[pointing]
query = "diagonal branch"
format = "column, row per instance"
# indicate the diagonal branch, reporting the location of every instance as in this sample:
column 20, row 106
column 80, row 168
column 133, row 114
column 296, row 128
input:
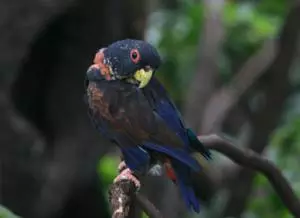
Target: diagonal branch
column 250, row 159
column 122, row 193
column 147, row 206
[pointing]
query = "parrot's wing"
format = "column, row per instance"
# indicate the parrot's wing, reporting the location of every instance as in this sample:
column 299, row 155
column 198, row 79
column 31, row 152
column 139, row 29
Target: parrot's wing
column 163, row 105
column 100, row 124
column 167, row 110
column 129, row 114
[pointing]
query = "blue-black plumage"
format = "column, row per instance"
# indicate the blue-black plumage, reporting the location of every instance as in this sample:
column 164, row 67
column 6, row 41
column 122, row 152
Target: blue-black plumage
column 130, row 107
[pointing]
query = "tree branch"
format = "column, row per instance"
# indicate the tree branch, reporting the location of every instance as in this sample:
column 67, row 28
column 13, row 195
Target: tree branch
column 147, row 206
column 122, row 195
column 250, row 159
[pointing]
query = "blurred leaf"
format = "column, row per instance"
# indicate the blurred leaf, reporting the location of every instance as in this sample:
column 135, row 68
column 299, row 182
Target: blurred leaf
column 144, row 215
column 5, row 213
column 107, row 168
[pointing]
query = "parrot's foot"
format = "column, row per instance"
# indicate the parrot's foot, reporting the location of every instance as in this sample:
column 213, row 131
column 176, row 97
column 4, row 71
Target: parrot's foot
column 122, row 166
column 127, row 174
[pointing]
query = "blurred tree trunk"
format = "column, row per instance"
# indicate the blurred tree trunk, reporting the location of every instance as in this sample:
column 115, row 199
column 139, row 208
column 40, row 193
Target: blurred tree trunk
column 214, row 105
column 49, row 149
column 275, row 88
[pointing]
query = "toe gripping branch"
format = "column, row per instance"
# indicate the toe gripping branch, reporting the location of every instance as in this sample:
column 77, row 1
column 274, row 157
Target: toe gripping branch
column 122, row 192
column 126, row 174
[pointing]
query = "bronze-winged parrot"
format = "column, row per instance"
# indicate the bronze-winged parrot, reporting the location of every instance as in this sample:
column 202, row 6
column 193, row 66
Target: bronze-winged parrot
column 131, row 108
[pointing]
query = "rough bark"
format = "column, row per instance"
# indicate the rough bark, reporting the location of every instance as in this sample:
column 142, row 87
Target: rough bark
column 123, row 197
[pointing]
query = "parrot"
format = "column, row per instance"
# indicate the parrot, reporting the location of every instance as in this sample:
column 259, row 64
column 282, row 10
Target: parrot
column 129, row 106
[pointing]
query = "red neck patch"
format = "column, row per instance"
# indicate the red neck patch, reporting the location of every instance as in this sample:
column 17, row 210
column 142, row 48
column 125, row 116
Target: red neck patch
column 104, row 69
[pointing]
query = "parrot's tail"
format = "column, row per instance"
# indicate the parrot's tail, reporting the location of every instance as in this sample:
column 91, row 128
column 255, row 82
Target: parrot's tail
column 196, row 145
column 183, row 172
column 183, row 180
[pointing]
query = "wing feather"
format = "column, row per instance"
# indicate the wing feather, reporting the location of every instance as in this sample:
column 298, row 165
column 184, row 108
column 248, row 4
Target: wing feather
column 128, row 111
column 130, row 115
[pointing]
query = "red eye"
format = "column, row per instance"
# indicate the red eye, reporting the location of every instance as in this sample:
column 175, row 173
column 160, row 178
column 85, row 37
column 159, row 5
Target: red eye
column 135, row 56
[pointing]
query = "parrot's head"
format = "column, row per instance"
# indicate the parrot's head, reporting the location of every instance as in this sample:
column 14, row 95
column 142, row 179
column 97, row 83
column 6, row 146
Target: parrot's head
column 133, row 61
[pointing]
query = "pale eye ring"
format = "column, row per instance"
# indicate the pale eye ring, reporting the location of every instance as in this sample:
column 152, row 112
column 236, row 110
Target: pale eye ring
column 135, row 56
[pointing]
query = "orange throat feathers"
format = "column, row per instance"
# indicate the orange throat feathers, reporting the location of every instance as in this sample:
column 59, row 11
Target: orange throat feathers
column 98, row 63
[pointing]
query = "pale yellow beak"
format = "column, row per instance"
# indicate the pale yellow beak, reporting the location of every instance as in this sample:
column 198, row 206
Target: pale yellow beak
column 143, row 77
